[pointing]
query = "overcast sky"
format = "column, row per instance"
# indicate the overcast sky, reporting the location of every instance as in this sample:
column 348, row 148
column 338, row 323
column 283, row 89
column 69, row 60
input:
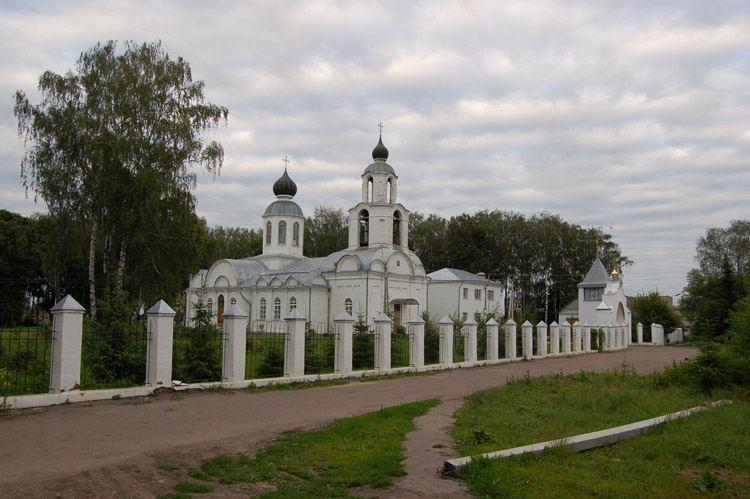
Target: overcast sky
column 629, row 115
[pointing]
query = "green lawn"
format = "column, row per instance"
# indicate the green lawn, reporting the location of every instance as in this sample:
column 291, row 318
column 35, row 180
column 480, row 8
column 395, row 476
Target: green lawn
column 669, row 461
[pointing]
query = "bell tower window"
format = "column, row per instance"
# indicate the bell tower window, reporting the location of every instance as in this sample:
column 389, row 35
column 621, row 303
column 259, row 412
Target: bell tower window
column 364, row 228
column 295, row 234
column 282, row 232
column 268, row 232
column 396, row 228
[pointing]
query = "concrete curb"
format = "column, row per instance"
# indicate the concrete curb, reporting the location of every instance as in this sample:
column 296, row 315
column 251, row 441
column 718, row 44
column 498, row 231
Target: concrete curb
column 585, row 441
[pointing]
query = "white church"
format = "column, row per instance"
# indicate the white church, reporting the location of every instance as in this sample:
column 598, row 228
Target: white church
column 376, row 273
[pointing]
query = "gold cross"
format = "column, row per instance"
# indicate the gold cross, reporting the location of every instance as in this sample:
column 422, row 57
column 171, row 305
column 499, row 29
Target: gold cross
column 286, row 162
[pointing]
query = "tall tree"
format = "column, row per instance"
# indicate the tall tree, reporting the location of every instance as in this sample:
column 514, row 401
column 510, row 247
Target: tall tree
column 113, row 140
column 720, row 243
column 427, row 239
column 325, row 232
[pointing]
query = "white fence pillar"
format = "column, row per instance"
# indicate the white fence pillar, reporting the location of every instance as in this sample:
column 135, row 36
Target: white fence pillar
column 446, row 340
column 383, row 325
column 541, row 339
column 657, row 334
column 680, row 336
column 470, row 340
column 67, row 337
column 527, row 340
column 492, row 339
column 639, row 333
column 416, row 342
column 577, row 337
column 554, row 338
column 235, row 344
column 344, row 325
column 160, row 323
column 510, row 339
column 565, row 326
column 294, row 360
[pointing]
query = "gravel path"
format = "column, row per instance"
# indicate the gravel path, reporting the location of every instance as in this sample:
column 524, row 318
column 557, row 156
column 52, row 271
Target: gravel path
column 115, row 448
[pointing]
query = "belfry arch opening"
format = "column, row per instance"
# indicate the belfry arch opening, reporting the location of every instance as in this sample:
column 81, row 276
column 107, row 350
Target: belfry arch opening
column 364, row 228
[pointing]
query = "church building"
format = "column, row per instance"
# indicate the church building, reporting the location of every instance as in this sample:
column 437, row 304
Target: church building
column 376, row 273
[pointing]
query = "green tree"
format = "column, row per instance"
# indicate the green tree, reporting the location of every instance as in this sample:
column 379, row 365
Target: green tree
column 427, row 239
column 719, row 243
column 22, row 254
column 325, row 232
column 112, row 141
column 651, row 308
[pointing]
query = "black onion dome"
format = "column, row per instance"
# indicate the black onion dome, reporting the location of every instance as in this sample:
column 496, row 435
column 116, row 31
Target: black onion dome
column 285, row 186
column 380, row 152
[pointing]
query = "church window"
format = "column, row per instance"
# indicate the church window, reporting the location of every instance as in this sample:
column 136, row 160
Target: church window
column 388, row 187
column 277, row 308
column 592, row 294
column 466, row 293
column 292, row 303
column 477, row 294
column 282, row 232
column 262, row 309
column 364, row 228
column 210, row 305
column 268, row 232
column 348, row 306
column 220, row 310
column 370, row 198
column 295, row 234
column 396, row 228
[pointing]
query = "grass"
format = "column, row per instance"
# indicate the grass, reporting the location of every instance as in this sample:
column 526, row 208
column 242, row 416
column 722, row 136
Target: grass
column 296, row 385
column 363, row 450
column 682, row 458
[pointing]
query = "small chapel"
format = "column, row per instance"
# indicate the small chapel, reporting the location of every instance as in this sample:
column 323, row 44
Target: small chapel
column 376, row 273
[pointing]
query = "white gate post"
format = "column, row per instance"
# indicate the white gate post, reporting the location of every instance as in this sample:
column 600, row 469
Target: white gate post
column 446, row 340
column 657, row 334
column 294, row 360
column 235, row 344
column 383, row 325
column 554, row 338
column 565, row 337
column 577, row 337
column 586, row 337
column 492, row 339
column 344, row 325
column 470, row 340
column 541, row 339
column 160, row 320
column 639, row 332
column 67, row 338
column 510, row 339
column 527, row 340
column 416, row 342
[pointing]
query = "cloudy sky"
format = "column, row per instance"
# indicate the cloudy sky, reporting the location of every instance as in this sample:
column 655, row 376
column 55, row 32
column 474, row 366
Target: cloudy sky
column 633, row 116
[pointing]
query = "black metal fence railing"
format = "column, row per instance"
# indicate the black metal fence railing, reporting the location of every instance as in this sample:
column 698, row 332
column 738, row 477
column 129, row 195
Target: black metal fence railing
column 458, row 346
column 363, row 351
column 431, row 347
column 320, row 347
column 113, row 358
column 197, row 354
column 482, row 345
column 265, row 350
column 25, row 359
column 400, row 348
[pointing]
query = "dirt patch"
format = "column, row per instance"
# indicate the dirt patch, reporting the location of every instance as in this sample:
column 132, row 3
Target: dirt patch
column 727, row 476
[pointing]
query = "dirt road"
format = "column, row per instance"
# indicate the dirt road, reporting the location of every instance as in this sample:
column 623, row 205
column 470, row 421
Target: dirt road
column 115, row 447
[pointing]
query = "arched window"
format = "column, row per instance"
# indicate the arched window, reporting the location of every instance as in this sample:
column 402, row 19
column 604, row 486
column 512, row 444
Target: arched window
column 277, row 308
column 282, row 232
column 396, row 227
column 370, row 198
column 268, row 232
column 295, row 234
column 292, row 303
column 220, row 309
column 388, row 191
column 348, row 306
column 262, row 309
column 364, row 228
